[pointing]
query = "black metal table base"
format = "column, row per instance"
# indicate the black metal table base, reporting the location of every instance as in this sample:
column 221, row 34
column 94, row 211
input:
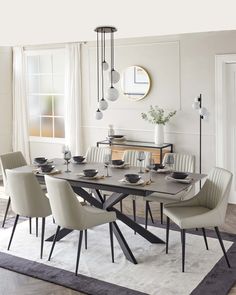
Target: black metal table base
column 108, row 204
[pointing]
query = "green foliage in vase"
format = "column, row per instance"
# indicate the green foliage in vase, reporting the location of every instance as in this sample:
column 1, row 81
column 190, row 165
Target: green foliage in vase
column 157, row 115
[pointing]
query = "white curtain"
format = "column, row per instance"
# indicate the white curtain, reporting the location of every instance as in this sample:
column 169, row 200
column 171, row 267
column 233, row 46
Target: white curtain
column 20, row 140
column 73, row 130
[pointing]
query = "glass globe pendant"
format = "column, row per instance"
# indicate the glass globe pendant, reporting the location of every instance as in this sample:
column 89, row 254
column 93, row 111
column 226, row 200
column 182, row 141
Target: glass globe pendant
column 103, row 104
column 98, row 115
column 112, row 94
column 115, row 76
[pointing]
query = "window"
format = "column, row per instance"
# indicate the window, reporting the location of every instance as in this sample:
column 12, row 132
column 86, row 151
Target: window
column 45, row 72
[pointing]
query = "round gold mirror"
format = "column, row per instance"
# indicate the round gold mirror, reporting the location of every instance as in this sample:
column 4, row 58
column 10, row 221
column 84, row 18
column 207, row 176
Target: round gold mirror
column 135, row 83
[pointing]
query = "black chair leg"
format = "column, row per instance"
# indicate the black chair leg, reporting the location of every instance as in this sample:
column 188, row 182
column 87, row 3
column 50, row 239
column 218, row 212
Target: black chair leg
column 222, row 245
column 150, row 213
column 111, row 240
column 37, row 226
column 30, row 225
column 134, row 212
column 6, row 212
column 183, row 248
column 205, row 238
column 121, row 206
column 78, row 253
column 86, row 239
column 42, row 237
column 54, row 242
column 13, row 231
column 167, row 233
column 161, row 212
column 146, row 214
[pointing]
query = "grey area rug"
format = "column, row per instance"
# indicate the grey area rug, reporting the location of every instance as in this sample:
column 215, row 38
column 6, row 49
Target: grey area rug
column 218, row 281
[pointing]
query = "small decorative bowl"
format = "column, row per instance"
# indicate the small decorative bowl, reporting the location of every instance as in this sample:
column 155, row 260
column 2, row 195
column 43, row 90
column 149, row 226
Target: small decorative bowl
column 47, row 168
column 118, row 162
column 40, row 160
column 90, row 172
column 78, row 159
column 132, row 178
column 179, row 175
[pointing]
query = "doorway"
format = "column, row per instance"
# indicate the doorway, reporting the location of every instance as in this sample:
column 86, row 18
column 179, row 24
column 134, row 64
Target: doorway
column 225, row 88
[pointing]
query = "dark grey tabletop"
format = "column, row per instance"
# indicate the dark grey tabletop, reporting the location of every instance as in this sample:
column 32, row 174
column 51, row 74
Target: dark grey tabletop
column 159, row 184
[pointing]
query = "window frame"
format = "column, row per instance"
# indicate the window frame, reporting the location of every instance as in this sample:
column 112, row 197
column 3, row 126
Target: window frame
column 37, row 52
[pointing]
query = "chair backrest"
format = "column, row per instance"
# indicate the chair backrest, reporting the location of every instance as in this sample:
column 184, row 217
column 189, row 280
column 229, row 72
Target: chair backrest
column 66, row 209
column 130, row 156
column 27, row 197
column 96, row 154
column 215, row 191
column 182, row 162
column 11, row 161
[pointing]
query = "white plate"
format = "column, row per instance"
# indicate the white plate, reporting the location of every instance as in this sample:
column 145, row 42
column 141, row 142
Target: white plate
column 124, row 181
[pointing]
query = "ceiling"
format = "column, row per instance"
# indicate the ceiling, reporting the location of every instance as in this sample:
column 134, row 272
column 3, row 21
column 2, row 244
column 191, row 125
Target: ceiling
column 28, row 22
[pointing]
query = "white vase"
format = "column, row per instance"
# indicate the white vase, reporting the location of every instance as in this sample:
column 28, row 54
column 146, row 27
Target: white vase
column 159, row 134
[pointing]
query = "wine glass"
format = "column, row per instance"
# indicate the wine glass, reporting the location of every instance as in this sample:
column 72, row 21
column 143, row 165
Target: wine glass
column 141, row 157
column 107, row 162
column 67, row 157
column 170, row 161
column 151, row 166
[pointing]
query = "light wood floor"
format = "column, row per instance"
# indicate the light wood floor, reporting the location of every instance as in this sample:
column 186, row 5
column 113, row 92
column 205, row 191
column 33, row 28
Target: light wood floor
column 16, row 284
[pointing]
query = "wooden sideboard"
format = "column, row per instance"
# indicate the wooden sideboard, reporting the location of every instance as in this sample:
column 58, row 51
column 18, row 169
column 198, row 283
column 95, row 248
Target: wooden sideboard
column 118, row 148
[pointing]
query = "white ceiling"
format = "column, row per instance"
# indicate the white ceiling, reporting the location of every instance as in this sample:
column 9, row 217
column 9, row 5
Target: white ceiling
column 28, row 22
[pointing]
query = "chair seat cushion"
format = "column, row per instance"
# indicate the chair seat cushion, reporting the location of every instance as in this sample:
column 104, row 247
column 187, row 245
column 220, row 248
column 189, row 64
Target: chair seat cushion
column 165, row 198
column 97, row 216
column 188, row 217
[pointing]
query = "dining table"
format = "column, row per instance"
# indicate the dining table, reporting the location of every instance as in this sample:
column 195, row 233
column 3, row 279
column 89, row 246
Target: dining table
column 93, row 191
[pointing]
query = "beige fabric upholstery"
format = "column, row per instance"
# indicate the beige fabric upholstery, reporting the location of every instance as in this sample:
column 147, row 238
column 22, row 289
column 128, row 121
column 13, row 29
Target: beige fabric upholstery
column 96, row 154
column 67, row 210
column 130, row 156
column 182, row 163
column 208, row 207
column 27, row 197
column 11, row 161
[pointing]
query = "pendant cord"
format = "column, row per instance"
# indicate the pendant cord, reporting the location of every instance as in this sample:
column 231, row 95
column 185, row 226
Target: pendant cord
column 102, row 57
column 98, row 90
column 111, row 59
column 104, row 47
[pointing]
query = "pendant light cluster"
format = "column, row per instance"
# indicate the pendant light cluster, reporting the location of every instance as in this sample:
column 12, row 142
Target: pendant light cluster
column 102, row 66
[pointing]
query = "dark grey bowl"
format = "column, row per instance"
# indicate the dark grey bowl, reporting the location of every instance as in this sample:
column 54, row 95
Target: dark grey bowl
column 40, row 160
column 158, row 166
column 179, row 175
column 117, row 162
column 90, row 172
column 116, row 136
column 47, row 168
column 78, row 159
column 132, row 178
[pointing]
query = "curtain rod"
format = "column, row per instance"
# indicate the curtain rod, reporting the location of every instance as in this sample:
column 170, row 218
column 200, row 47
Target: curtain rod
column 50, row 46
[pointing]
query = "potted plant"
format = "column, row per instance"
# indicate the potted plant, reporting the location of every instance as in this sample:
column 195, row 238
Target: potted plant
column 157, row 116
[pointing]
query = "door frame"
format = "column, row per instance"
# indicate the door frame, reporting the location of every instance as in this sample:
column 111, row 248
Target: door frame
column 221, row 107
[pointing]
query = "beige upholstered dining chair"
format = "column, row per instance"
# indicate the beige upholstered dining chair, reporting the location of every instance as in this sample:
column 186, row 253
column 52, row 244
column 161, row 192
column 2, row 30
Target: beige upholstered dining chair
column 131, row 157
column 206, row 209
column 96, row 154
column 10, row 161
column 27, row 199
column 182, row 163
column 69, row 213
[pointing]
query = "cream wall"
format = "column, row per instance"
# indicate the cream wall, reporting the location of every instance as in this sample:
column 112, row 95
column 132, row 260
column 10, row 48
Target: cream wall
column 5, row 99
column 180, row 68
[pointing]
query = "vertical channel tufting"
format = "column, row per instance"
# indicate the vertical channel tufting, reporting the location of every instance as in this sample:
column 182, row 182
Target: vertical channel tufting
column 130, row 156
column 182, row 162
column 96, row 154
